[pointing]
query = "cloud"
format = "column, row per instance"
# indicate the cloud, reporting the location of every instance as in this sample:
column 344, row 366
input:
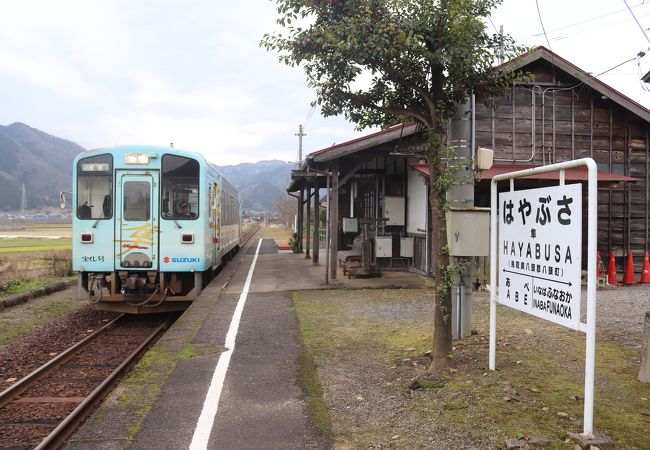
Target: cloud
column 192, row 72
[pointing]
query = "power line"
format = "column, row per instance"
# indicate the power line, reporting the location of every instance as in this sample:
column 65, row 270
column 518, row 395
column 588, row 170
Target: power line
column 591, row 19
column 495, row 28
column 310, row 114
column 637, row 21
column 542, row 23
column 639, row 56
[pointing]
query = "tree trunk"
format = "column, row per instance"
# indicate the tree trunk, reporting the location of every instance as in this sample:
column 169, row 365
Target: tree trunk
column 441, row 348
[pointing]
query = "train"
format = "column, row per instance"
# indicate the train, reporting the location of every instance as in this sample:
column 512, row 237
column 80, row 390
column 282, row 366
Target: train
column 150, row 227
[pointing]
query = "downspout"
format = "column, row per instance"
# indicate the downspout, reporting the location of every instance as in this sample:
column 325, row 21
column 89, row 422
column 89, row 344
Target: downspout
column 472, row 143
column 327, row 230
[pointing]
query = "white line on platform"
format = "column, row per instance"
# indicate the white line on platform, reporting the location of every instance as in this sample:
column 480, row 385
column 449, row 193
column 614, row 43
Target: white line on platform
column 211, row 403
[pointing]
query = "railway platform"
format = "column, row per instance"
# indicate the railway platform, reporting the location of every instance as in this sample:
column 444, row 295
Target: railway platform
column 180, row 395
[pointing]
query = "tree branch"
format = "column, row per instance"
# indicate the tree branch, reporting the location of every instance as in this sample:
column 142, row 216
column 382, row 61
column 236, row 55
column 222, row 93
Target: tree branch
column 426, row 97
column 363, row 101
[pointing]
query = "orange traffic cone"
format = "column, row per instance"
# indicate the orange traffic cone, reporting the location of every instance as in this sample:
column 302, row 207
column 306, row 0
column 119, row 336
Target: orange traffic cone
column 629, row 277
column 645, row 271
column 611, row 270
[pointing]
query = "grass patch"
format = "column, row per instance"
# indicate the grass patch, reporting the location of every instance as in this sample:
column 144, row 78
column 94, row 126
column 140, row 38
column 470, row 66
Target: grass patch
column 367, row 348
column 309, row 382
column 22, row 285
column 144, row 384
column 36, row 313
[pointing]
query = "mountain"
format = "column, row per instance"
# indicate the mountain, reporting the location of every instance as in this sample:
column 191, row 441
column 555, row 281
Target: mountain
column 44, row 164
column 260, row 183
column 40, row 161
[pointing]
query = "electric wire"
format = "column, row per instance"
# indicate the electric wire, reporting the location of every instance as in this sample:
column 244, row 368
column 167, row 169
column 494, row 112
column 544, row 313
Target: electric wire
column 495, row 28
column 637, row 21
column 640, row 76
column 638, row 56
column 585, row 21
column 309, row 116
column 539, row 14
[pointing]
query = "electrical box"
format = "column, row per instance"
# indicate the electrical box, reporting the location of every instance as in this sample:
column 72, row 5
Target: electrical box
column 484, row 158
column 394, row 210
column 350, row 225
column 406, row 247
column 468, row 232
column 383, row 246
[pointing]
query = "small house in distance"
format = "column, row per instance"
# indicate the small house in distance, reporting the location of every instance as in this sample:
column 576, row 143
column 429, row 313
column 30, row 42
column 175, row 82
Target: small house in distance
column 558, row 114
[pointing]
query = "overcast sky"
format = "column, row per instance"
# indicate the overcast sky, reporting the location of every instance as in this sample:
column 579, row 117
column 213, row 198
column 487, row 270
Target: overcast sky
column 191, row 72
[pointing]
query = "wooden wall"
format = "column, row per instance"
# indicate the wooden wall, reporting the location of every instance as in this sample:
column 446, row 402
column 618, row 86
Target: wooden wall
column 556, row 118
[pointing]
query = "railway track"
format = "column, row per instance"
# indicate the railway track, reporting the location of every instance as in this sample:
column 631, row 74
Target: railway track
column 43, row 408
column 248, row 234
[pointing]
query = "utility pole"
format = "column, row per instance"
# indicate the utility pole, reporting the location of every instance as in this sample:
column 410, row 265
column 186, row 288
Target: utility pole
column 300, row 134
column 23, row 201
column 500, row 53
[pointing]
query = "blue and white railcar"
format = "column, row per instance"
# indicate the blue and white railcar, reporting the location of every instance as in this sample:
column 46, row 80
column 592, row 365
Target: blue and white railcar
column 150, row 226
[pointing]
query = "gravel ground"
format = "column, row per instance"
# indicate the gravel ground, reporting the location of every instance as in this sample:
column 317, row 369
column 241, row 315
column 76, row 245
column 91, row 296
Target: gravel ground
column 20, row 357
column 620, row 312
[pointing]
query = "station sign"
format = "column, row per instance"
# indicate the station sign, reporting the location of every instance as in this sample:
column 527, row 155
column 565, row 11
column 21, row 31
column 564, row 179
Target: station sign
column 540, row 250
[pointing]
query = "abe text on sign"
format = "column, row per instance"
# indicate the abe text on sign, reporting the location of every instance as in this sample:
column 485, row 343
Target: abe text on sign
column 539, row 252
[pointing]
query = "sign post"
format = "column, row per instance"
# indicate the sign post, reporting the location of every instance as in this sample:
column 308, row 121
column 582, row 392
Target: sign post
column 538, row 258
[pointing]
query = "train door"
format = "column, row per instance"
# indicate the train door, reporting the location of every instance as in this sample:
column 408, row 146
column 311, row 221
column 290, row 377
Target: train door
column 136, row 233
column 215, row 218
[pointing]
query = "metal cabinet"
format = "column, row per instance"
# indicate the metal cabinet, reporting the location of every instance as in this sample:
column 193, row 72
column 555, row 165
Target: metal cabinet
column 394, row 210
column 384, row 246
column 406, row 247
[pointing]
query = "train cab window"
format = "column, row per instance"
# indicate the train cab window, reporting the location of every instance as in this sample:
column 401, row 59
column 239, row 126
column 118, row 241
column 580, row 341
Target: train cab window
column 95, row 187
column 180, row 188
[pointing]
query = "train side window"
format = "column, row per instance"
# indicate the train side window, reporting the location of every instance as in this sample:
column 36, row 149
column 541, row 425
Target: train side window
column 180, row 187
column 94, row 187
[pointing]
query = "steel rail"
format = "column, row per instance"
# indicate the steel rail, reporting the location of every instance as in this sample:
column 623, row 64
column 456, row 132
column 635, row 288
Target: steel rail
column 21, row 385
column 248, row 238
column 66, row 427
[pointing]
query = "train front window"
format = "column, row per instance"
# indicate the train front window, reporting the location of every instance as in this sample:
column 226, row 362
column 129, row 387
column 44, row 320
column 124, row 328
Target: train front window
column 95, row 187
column 180, row 188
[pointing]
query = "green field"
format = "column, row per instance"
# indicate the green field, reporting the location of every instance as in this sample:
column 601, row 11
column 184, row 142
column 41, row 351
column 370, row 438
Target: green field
column 30, row 237
column 15, row 245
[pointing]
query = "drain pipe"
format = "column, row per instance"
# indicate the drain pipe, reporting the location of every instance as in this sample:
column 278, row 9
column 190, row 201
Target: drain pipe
column 327, row 230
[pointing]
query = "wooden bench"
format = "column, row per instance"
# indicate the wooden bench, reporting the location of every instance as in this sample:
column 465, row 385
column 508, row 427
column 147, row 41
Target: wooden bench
column 347, row 257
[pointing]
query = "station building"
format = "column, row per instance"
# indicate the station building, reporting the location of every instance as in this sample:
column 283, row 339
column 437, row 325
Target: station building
column 559, row 114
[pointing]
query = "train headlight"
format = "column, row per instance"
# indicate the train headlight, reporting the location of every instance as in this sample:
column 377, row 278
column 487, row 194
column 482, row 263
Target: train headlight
column 136, row 158
column 87, row 238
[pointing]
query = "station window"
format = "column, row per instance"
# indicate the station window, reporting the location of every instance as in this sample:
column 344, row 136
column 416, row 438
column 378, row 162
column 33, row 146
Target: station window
column 95, row 187
column 180, row 188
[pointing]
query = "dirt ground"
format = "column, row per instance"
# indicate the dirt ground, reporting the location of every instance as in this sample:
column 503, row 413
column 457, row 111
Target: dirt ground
column 368, row 346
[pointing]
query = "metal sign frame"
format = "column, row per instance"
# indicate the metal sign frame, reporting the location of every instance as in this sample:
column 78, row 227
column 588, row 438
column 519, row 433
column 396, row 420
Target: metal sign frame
column 590, row 327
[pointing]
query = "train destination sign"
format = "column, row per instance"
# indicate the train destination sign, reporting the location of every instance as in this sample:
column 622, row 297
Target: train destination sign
column 539, row 250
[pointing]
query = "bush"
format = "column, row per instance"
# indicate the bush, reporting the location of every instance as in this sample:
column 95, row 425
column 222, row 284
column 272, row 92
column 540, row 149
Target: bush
column 7, row 285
